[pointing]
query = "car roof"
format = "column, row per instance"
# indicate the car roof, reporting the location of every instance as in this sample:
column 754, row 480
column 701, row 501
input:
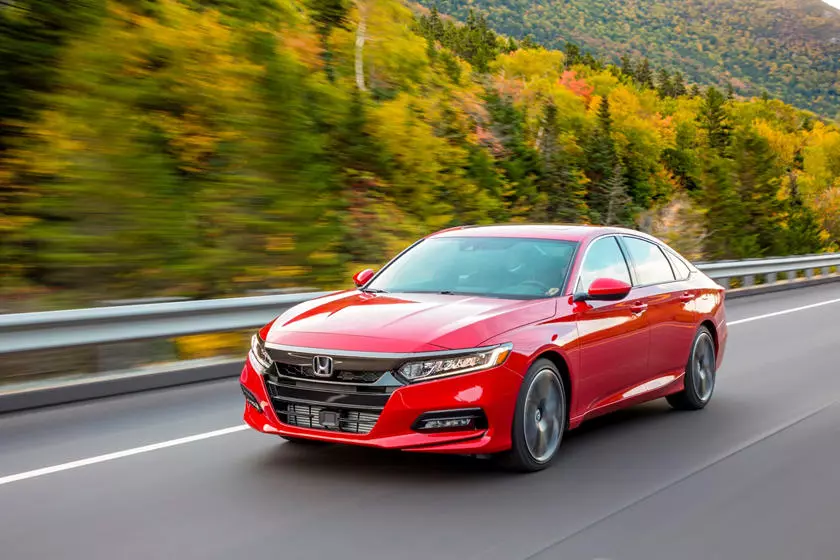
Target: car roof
column 564, row 232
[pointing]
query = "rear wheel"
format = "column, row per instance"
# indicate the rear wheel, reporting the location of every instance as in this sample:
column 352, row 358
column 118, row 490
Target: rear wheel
column 539, row 420
column 700, row 374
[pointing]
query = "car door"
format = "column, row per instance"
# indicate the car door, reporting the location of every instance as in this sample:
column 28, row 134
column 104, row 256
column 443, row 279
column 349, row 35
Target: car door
column 688, row 314
column 614, row 336
column 669, row 306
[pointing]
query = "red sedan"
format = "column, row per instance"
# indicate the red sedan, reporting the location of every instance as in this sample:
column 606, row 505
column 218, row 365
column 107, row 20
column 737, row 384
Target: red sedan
column 491, row 340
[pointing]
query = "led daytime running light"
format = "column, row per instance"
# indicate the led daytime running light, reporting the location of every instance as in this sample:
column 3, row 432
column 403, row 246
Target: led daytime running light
column 259, row 355
column 456, row 365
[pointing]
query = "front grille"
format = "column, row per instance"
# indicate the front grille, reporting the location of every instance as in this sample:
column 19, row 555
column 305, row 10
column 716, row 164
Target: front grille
column 351, row 408
column 346, row 376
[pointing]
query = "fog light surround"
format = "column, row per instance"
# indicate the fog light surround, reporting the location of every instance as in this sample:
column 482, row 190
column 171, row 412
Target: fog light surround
column 462, row 419
column 251, row 398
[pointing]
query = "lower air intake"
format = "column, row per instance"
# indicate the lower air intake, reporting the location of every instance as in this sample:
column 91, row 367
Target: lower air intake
column 321, row 418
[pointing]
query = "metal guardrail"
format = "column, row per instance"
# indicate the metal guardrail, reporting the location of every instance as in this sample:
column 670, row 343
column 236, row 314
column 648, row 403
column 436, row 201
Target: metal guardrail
column 23, row 332
column 749, row 271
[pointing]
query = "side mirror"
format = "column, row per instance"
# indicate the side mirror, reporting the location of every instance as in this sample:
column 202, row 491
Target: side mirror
column 605, row 289
column 363, row 277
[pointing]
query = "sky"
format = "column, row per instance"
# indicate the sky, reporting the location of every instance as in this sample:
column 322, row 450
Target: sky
column 835, row 3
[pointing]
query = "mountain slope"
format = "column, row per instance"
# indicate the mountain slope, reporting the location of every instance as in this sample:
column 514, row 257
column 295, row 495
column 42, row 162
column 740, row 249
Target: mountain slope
column 789, row 48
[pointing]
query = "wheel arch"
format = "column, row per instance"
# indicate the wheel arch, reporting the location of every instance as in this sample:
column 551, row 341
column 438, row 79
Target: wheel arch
column 709, row 324
column 562, row 366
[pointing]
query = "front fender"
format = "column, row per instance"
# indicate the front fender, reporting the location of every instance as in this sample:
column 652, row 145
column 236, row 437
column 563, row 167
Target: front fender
column 558, row 336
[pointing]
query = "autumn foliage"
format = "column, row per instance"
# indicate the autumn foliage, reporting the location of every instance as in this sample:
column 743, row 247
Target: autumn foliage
column 206, row 148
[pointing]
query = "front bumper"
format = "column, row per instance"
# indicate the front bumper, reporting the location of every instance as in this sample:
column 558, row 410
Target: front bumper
column 494, row 391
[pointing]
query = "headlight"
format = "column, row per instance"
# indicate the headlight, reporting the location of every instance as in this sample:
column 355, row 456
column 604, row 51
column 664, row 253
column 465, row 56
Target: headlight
column 259, row 355
column 455, row 365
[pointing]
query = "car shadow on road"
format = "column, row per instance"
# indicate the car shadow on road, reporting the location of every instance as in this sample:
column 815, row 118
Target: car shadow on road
column 593, row 437
column 634, row 417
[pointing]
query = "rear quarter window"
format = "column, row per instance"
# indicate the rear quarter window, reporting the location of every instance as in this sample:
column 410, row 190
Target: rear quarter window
column 681, row 269
column 651, row 264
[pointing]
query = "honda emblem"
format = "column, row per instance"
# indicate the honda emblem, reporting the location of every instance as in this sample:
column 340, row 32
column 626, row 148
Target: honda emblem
column 322, row 366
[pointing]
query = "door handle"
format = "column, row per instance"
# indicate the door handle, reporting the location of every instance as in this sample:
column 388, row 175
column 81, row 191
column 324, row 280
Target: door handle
column 686, row 296
column 638, row 307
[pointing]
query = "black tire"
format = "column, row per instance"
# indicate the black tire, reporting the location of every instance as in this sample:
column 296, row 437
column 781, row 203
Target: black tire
column 528, row 417
column 700, row 374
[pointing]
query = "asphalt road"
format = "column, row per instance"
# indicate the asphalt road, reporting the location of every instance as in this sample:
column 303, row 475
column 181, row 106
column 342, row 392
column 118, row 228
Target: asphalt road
column 754, row 476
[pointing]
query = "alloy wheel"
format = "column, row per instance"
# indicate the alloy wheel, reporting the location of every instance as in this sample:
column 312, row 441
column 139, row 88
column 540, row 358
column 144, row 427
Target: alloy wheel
column 703, row 366
column 543, row 416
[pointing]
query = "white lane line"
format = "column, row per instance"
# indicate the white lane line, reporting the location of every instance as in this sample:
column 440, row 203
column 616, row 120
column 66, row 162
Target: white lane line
column 198, row 437
column 783, row 312
column 119, row 454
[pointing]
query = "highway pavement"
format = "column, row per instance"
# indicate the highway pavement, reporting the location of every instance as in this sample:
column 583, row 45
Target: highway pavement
column 756, row 475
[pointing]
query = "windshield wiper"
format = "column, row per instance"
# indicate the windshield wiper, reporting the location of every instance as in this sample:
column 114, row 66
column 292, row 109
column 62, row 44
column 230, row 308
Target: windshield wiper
column 374, row 291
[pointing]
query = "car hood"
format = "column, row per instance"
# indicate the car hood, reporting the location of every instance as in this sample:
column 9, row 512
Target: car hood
column 357, row 321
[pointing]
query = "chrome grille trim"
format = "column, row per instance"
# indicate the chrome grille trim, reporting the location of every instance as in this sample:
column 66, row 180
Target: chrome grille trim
column 350, row 377
column 386, row 380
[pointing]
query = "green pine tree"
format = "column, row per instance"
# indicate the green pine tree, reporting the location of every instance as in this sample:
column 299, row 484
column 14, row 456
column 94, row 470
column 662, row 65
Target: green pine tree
column 803, row 232
column 679, row 88
column 600, row 162
column 627, row 67
column 726, row 218
column 561, row 184
column 435, row 24
column 528, row 42
column 664, row 85
column 758, row 173
column 681, row 159
column 572, row 52
column 520, row 165
column 595, row 63
column 713, row 118
column 644, row 74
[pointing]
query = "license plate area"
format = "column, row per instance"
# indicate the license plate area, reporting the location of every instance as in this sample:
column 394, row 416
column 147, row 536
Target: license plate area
column 329, row 419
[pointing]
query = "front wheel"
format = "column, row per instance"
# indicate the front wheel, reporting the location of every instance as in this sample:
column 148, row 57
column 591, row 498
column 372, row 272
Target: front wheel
column 700, row 374
column 539, row 420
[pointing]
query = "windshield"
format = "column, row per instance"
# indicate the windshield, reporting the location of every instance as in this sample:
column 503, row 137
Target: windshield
column 485, row 266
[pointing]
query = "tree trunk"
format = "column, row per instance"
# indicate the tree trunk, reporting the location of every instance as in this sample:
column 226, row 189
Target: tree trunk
column 360, row 46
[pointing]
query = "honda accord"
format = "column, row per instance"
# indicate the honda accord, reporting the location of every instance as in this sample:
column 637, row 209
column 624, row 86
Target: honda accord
column 491, row 340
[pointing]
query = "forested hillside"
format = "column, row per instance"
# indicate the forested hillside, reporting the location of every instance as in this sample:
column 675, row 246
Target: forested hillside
column 790, row 49
column 209, row 147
